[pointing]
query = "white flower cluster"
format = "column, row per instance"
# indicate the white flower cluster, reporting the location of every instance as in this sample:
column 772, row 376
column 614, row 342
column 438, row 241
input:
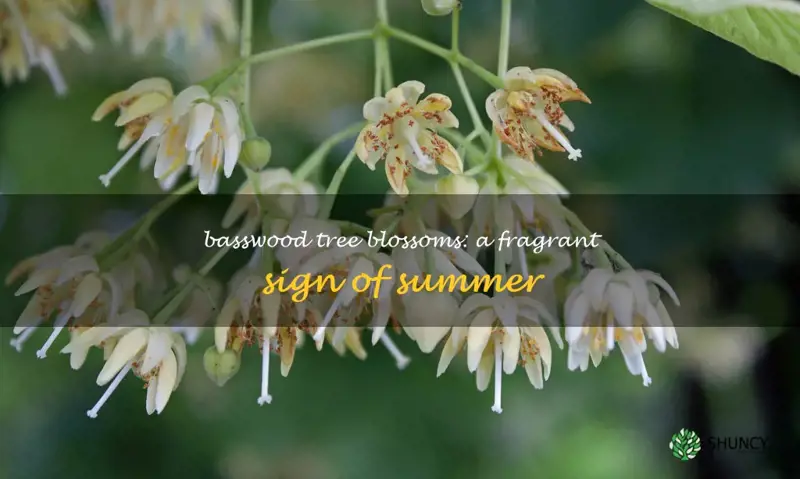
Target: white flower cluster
column 33, row 31
column 94, row 288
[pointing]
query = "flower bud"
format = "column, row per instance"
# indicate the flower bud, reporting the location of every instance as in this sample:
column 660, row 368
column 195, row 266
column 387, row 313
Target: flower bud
column 459, row 194
column 256, row 153
column 440, row 7
column 220, row 367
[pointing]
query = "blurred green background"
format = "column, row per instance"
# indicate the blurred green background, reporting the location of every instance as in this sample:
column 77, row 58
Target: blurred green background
column 675, row 111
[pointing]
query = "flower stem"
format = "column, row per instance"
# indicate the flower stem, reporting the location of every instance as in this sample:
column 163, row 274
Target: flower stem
column 477, row 122
column 309, row 45
column 462, row 84
column 121, row 245
column 314, row 161
column 505, row 37
column 176, row 298
column 454, row 31
column 245, row 50
column 379, row 61
column 336, row 183
column 217, row 81
column 383, row 43
column 606, row 252
column 444, row 53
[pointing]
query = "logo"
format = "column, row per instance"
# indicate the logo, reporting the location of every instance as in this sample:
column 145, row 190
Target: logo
column 685, row 444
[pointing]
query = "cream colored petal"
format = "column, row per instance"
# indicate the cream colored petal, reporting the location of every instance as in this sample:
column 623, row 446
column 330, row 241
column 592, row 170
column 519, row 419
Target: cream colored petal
column 453, row 345
column 577, row 359
column 185, row 99
column 108, row 105
column 411, row 91
column 33, row 314
column 638, row 287
column 224, row 322
column 434, row 103
column 631, row 354
column 126, row 349
column 397, row 171
column 441, row 150
column 143, row 106
column 289, row 341
column 88, row 290
column 78, row 357
column 167, row 378
column 543, row 344
column 483, row 370
column 533, row 369
column 567, row 123
column 232, row 147
column 505, row 309
column 246, row 293
column 150, row 400
column 160, row 85
column 375, row 108
column 200, row 118
column 353, row 343
column 519, row 78
column 474, row 303
column 230, row 116
column 596, row 356
column 208, row 168
column 37, row 278
column 658, row 280
column 270, row 310
column 620, row 298
column 541, row 137
column 77, row 266
column 496, row 104
column 382, row 310
column 595, row 284
column 511, row 346
column 148, row 156
column 480, row 332
column 158, row 346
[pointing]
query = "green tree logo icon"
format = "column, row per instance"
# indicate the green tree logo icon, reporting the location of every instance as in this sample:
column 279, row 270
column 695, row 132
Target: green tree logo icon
column 685, row 444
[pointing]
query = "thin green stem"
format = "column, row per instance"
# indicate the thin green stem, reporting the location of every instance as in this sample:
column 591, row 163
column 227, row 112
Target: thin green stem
column 446, row 54
column 336, row 183
column 315, row 159
column 117, row 249
column 350, row 227
column 245, row 50
column 270, row 55
column 477, row 122
column 454, row 31
column 505, row 37
column 383, row 43
column 176, row 298
column 605, row 251
column 377, row 89
column 216, row 82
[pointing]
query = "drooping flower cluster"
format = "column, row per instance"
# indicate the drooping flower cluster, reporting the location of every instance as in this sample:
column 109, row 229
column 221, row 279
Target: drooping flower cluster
column 174, row 22
column 95, row 288
column 192, row 131
column 31, row 33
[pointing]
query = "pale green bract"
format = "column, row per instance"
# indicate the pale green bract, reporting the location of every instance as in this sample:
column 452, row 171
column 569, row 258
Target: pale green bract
column 768, row 29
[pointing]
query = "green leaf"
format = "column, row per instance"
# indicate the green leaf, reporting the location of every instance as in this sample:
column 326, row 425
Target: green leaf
column 768, row 29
